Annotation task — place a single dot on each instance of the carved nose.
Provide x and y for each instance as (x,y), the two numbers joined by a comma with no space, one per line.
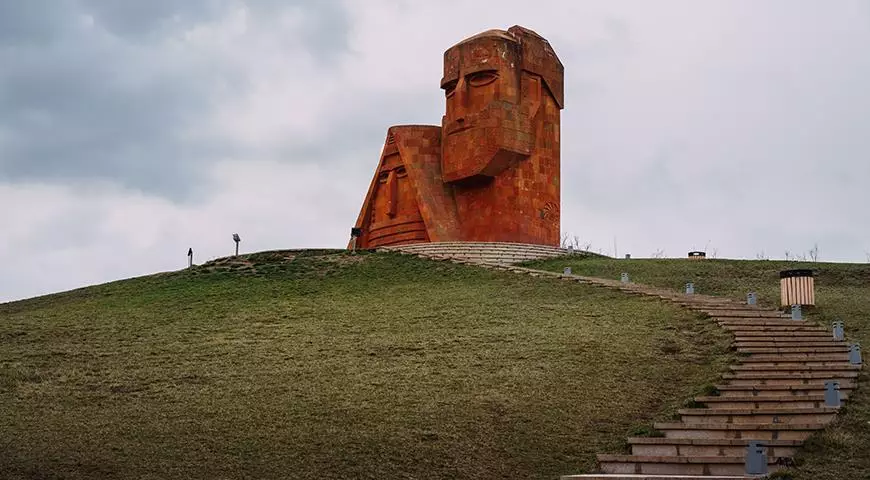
(460,92)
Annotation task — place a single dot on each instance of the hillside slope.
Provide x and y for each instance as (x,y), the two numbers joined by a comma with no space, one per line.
(319,364)
(842,292)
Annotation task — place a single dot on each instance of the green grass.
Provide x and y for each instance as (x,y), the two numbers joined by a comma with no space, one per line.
(842,292)
(321,365)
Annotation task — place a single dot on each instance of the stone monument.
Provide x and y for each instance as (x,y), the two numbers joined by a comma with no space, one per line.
(490,172)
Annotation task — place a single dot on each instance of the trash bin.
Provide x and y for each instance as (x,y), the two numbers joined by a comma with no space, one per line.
(697,255)
(797,287)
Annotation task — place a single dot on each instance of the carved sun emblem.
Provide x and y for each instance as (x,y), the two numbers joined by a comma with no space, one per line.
(550,212)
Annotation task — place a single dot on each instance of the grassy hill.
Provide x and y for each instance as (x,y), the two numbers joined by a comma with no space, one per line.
(842,292)
(319,364)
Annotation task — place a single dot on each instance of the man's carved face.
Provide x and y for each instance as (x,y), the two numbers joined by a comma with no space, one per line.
(487,124)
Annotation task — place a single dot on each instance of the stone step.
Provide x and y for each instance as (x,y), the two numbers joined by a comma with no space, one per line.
(797,372)
(762,431)
(771,341)
(800,377)
(796,363)
(787,341)
(784,330)
(485,254)
(746,314)
(767,401)
(775,336)
(498,253)
(714,307)
(706,447)
(796,357)
(758,415)
(716,465)
(834,368)
(632,476)
(750,391)
(796,350)
(478,245)
(786,382)
(760,322)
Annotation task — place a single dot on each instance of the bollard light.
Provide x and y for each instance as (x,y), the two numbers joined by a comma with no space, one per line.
(189,257)
(751,298)
(628,256)
(832,394)
(796,312)
(567,271)
(839,331)
(690,288)
(756,458)
(855,354)
(624,278)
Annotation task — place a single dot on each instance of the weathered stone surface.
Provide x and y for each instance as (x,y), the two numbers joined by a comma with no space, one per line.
(490,173)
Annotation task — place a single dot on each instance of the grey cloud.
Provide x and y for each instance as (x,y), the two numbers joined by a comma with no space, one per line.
(126,18)
(77,103)
(33,22)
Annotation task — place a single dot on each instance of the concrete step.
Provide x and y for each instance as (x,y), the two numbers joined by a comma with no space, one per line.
(717,465)
(753,416)
(746,314)
(795,357)
(631,476)
(796,350)
(796,363)
(774,341)
(798,378)
(762,431)
(834,368)
(767,401)
(775,336)
(474,252)
(784,330)
(739,323)
(706,447)
(787,382)
(749,391)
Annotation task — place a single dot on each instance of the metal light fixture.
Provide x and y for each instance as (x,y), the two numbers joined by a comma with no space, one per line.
(237,239)
(355,233)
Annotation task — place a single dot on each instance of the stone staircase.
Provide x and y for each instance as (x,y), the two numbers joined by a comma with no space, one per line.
(499,253)
(775,394)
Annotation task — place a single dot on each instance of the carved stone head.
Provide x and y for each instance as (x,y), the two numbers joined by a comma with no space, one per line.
(494,84)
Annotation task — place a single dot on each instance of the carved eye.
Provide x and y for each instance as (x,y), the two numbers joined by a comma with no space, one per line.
(400,172)
(480,79)
(450,89)
(382,178)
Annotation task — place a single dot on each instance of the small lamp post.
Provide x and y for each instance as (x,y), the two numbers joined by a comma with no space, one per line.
(237,239)
(189,257)
(355,233)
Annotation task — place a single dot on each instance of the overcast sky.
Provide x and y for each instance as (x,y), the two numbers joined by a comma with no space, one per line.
(133,130)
